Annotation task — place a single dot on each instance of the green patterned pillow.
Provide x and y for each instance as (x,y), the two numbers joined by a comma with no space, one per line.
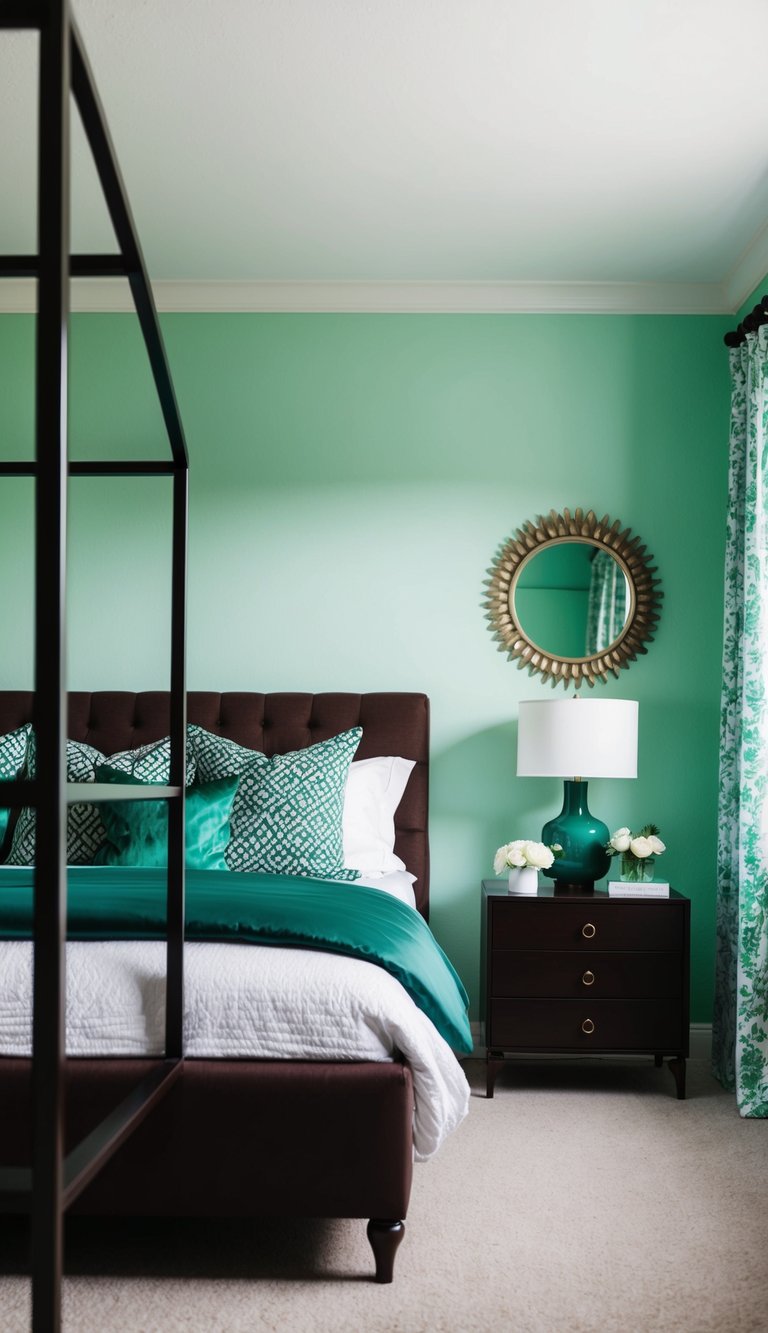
(85,829)
(13,752)
(137,831)
(81,765)
(286,817)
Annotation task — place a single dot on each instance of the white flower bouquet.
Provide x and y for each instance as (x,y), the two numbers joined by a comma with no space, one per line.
(638,851)
(524,852)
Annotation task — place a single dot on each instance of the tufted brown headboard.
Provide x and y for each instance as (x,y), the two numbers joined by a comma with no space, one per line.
(114,720)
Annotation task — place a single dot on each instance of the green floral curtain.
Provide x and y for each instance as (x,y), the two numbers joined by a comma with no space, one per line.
(741,984)
(607,604)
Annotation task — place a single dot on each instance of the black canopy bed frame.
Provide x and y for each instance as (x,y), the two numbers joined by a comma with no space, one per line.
(249,1137)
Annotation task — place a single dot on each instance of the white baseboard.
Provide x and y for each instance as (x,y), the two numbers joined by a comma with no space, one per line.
(700,1039)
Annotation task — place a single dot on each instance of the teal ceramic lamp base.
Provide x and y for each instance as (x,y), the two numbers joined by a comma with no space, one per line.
(583,839)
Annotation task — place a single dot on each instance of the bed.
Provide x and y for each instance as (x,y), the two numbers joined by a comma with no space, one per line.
(244,1136)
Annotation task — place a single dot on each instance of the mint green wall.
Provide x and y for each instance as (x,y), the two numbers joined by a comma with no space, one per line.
(351,479)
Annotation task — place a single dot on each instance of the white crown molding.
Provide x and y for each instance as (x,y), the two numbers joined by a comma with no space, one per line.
(17,296)
(748,271)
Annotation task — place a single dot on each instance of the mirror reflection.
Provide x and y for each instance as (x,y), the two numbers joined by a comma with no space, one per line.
(571,598)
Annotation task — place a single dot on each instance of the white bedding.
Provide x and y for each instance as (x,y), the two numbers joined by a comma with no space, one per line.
(243,1000)
(397,882)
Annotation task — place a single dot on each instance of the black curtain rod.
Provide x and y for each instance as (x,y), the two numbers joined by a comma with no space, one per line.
(750,324)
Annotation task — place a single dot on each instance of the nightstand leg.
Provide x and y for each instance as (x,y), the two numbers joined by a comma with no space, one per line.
(677,1068)
(493,1063)
(658,1060)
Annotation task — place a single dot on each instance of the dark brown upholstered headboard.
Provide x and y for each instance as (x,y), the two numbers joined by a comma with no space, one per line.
(114,720)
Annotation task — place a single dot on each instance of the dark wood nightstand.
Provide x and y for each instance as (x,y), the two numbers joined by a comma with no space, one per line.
(582,974)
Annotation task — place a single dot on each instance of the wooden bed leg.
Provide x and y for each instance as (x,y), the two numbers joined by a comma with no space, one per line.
(385,1236)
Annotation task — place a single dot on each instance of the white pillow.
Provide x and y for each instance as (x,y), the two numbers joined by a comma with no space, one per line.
(399,883)
(373,792)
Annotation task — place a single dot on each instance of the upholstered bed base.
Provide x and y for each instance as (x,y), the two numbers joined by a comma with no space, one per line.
(250,1137)
(238,1137)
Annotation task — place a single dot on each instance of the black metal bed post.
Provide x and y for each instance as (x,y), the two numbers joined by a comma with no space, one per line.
(50,666)
(174,984)
(95,126)
(55,1181)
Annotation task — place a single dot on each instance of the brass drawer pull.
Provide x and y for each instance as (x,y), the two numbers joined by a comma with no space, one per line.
(588,931)
(588,978)
(588,1026)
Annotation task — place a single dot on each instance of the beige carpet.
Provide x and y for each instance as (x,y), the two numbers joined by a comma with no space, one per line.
(583,1197)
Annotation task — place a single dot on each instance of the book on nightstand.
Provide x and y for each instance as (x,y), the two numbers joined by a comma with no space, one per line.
(652,888)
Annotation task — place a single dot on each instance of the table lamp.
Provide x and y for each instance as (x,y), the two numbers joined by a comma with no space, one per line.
(574,739)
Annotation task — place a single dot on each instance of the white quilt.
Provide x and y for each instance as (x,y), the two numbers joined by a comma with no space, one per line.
(243,1000)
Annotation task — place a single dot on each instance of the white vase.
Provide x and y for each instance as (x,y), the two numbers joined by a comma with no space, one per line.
(524,879)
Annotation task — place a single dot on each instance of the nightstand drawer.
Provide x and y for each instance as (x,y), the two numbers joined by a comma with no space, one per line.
(564,1025)
(546,923)
(565,973)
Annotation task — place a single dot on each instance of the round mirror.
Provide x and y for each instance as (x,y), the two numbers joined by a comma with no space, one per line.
(573,597)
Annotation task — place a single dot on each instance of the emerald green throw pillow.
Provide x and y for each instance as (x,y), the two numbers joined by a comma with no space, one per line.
(286,817)
(13,752)
(137,831)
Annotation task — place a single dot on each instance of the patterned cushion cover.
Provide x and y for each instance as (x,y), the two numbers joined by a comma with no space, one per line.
(13,751)
(286,817)
(85,829)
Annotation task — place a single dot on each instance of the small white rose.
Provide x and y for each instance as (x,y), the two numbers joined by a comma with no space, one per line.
(537,855)
(509,855)
(641,847)
(500,862)
(657,846)
(620,840)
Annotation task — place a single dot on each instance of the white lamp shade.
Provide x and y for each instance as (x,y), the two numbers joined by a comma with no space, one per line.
(567,738)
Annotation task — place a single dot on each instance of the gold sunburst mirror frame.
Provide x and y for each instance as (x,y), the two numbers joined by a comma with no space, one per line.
(555,529)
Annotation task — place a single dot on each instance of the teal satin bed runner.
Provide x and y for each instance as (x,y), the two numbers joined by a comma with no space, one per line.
(128,903)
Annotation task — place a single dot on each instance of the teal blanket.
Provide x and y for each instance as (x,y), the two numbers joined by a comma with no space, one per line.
(128,903)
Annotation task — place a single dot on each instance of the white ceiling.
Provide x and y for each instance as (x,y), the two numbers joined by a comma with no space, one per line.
(419,141)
